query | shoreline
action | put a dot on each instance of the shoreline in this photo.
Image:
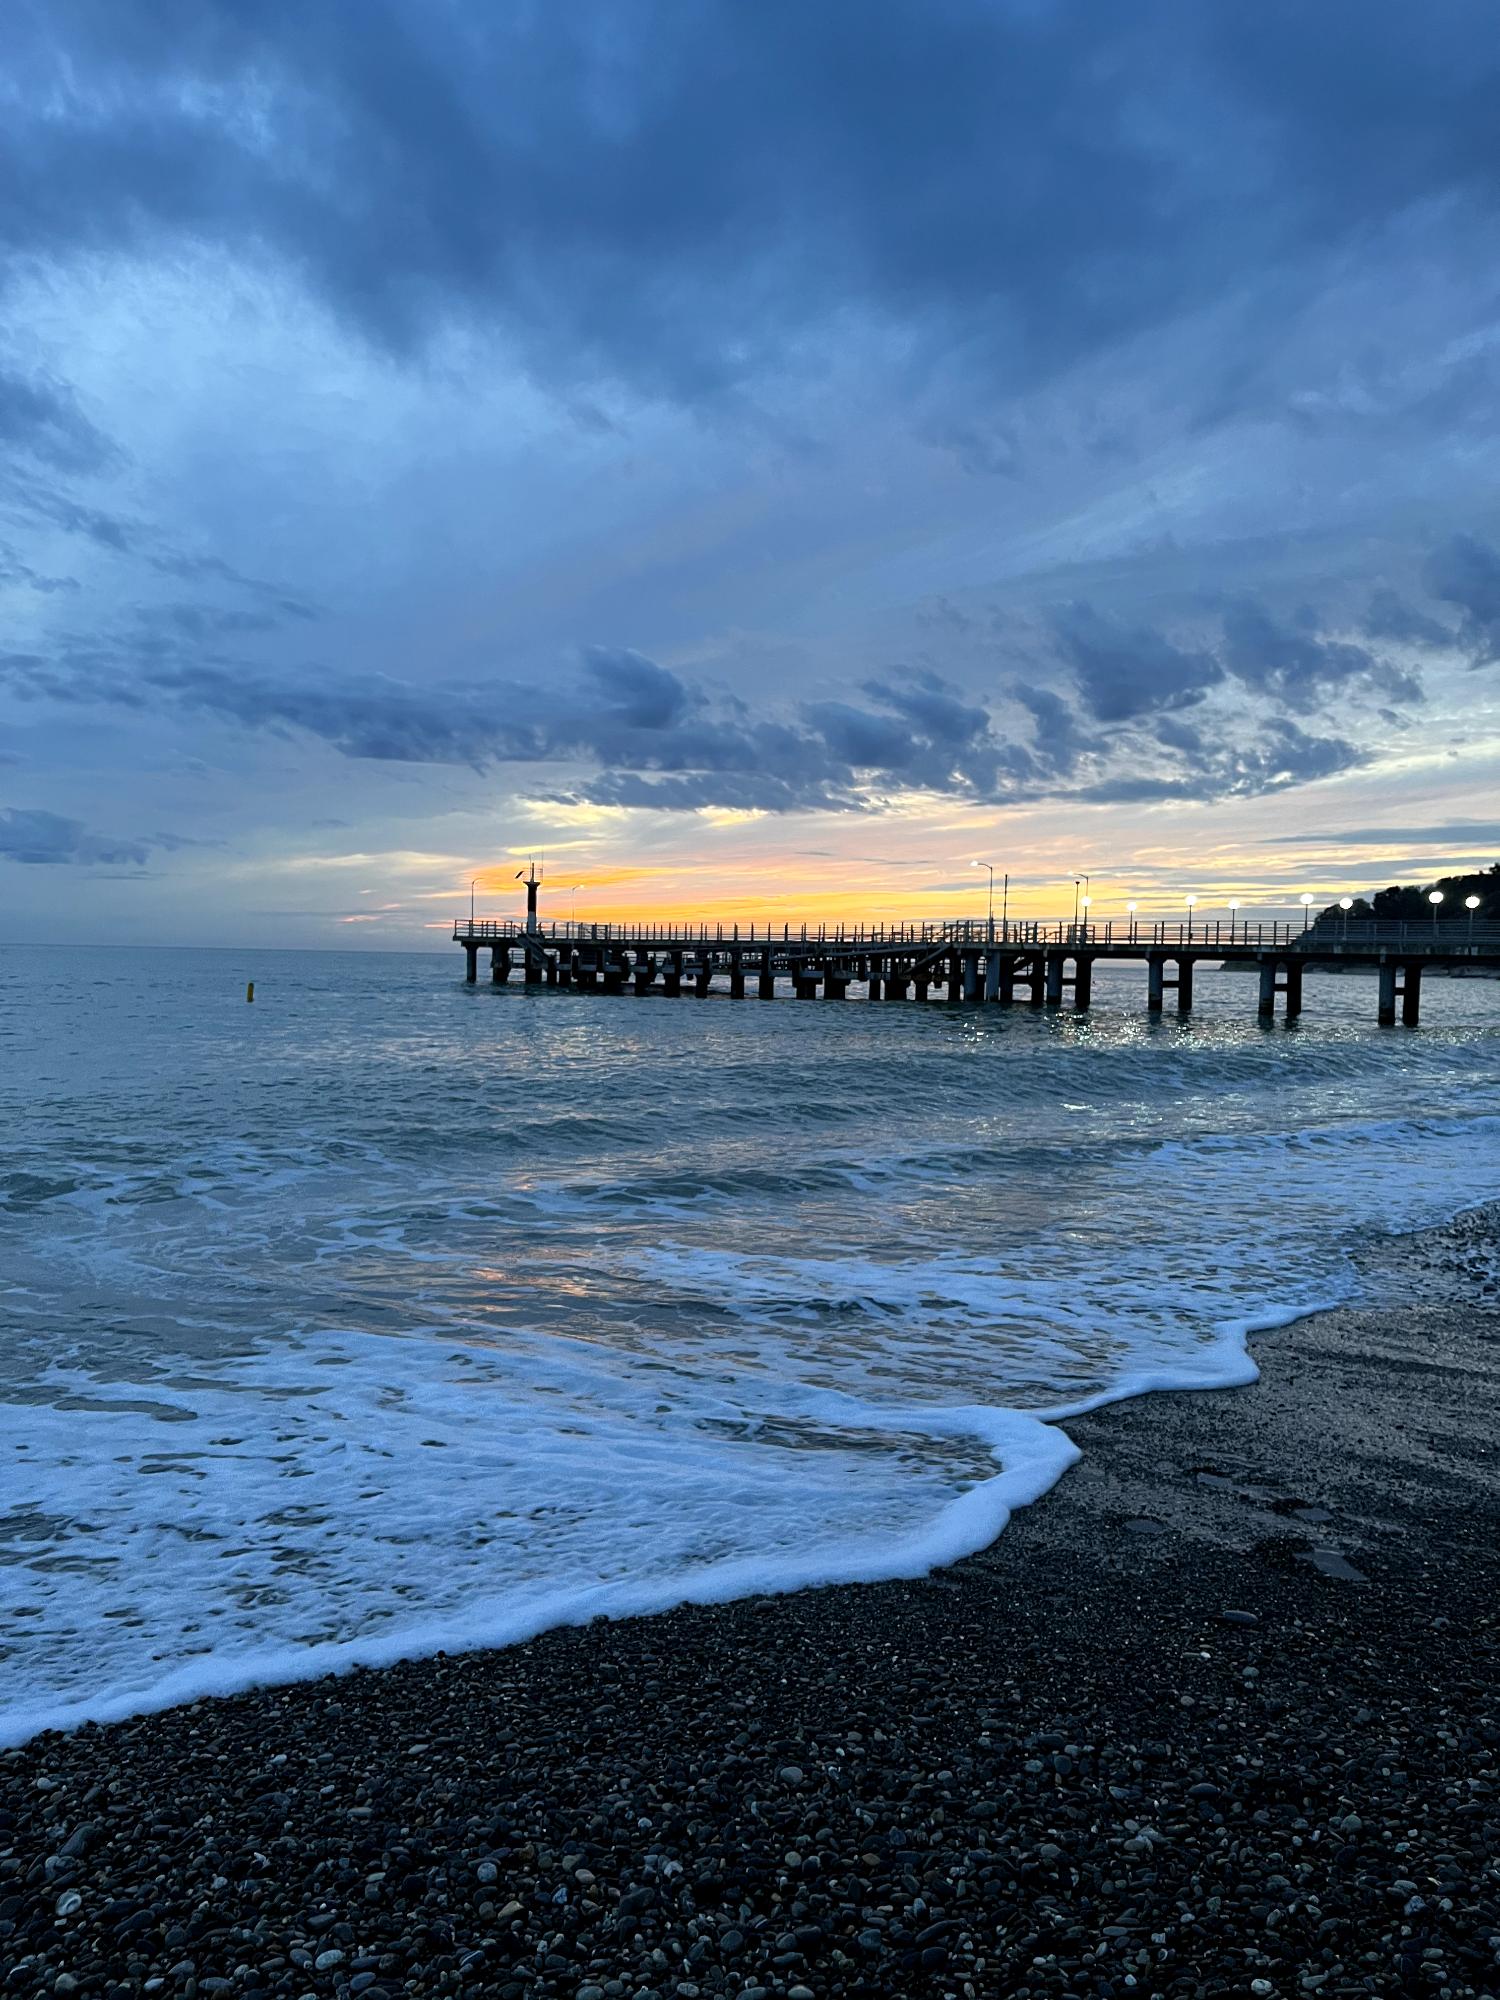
(1148, 1741)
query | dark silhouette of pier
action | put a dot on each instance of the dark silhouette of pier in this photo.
(974, 964)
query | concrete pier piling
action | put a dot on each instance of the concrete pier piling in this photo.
(1284, 976)
(978, 964)
(1400, 980)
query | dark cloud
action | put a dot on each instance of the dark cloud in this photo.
(636, 691)
(676, 195)
(639, 734)
(1127, 671)
(1061, 744)
(1466, 572)
(14, 570)
(204, 621)
(41, 418)
(1281, 757)
(46, 838)
(37, 502)
(1299, 664)
(1391, 617)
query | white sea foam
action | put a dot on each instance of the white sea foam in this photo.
(281, 1400)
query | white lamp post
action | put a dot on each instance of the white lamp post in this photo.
(1346, 904)
(1434, 896)
(1471, 904)
(1305, 899)
(1130, 909)
(471, 902)
(1234, 914)
(991, 867)
(1191, 902)
(1084, 906)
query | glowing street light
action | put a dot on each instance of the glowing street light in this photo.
(1346, 904)
(1084, 906)
(1306, 900)
(1434, 896)
(1130, 909)
(573, 892)
(1471, 904)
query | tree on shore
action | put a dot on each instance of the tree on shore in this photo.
(1407, 902)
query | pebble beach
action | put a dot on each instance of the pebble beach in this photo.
(1218, 1716)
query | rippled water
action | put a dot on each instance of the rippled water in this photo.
(389, 1313)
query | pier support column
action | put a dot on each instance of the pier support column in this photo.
(804, 981)
(533, 963)
(835, 983)
(1267, 1008)
(1083, 982)
(736, 975)
(766, 986)
(1155, 982)
(920, 982)
(549, 967)
(645, 971)
(971, 978)
(1054, 978)
(1385, 1012)
(471, 960)
(1185, 985)
(955, 977)
(614, 973)
(672, 977)
(1293, 990)
(992, 975)
(499, 964)
(875, 985)
(703, 978)
(1411, 994)
(1034, 993)
(564, 969)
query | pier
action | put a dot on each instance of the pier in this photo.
(973, 964)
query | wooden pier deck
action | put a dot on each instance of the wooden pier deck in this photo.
(974, 963)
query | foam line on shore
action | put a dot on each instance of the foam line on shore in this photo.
(1031, 1448)
(1034, 1455)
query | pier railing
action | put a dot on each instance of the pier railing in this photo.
(976, 931)
(1450, 937)
(1416, 933)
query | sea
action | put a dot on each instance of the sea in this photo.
(388, 1315)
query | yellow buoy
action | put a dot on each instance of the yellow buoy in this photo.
(250, 989)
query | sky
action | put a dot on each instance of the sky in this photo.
(759, 459)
